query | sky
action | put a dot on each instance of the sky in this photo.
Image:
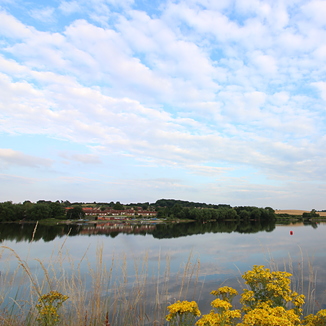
(220, 102)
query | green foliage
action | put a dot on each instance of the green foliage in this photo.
(118, 206)
(57, 210)
(11, 212)
(75, 213)
(313, 213)
(168, 208)
(145, 206)
(218, 212)
(169, 203)
(31, 211)
(38, 212)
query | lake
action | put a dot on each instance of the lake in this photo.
(186, 260)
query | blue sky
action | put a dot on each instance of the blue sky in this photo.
(133, 101)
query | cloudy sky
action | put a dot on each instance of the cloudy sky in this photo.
(136, 100)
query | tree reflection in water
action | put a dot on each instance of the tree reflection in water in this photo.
(29, 231)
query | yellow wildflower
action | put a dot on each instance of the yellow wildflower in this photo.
(218, 303)
(180, 308)
(225, 290)
(48, 306)
(316, 320)
(268, 316)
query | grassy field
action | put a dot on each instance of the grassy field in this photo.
(296, 212)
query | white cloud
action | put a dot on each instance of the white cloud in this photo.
(44, 14)
(208, 171)
(15, 180)
(266, 64)
(321, 86)
(196, 85)
(10, 157)
(77, 180)
(82, 158)
(12, 27)
(70, 7)
(316, 11)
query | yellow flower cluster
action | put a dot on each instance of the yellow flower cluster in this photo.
(269, 302)
(270, 287)
(218, 303)
(48, 312)
(52, 297)
(223, 315)
(225, 290)
(48, 306)
(226, 293)
(182, 307)
(270, 316)
(214, 319)
(316, 320)
(247, 295)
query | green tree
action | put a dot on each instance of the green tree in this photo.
(57, 210)
(145, 206)
(7, 211)
(75, 213)
(39, 212)
(176, 210)
(312, 213)
(231, 214)
(244, 214)
(118, 206)
(255, 213)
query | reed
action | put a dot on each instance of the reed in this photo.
(111, 292)
(303, 280)
(103, 295)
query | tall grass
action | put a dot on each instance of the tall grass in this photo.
(303, 280)
(108, 293)
(103, 295)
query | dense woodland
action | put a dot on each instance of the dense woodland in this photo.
(166, 208)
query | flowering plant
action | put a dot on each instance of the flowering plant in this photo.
(268, 301)
(182, 313)
(48, 306)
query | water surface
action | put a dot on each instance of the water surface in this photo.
(213, 254)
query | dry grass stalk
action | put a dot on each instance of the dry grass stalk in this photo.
(106, 302)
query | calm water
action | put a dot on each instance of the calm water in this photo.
(224, 251)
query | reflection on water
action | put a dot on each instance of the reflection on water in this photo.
(222, 250)
(29, 231)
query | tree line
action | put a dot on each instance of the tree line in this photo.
(31, 211)
(220, 213)
(166, 208)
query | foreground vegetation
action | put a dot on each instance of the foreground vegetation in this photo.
(66, 291)
(57, 298)
(268, 301)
